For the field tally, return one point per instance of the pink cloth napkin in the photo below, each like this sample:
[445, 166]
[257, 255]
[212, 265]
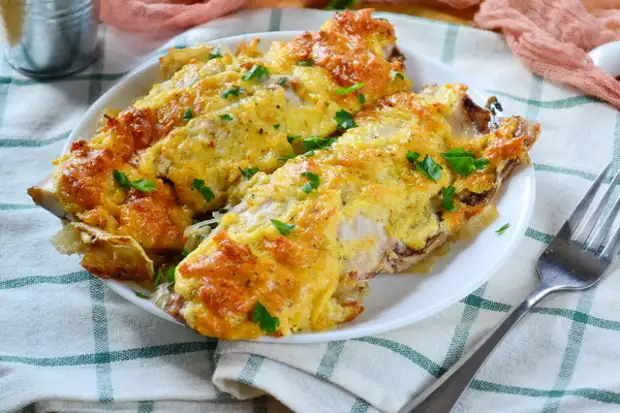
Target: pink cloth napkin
[164, 15]
[551, 36]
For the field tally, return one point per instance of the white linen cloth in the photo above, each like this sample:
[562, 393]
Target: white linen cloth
[68, 344]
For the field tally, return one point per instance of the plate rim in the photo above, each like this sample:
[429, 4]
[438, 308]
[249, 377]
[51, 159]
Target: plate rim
[125, 291]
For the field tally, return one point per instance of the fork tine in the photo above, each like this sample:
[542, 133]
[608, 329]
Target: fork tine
[613, 246]
[605, 228]
[572, 223]
[583, 235]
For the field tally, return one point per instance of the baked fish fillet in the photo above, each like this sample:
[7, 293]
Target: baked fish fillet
[215, 120]
[297, 251]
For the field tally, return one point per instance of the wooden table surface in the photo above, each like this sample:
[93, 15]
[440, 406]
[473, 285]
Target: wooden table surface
[444, 13]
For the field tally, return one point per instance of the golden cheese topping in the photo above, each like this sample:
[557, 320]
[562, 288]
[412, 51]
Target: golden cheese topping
[217, 115]
[303, 241]
[334, 173]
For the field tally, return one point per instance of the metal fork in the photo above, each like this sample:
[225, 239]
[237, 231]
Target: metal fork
[575, 260]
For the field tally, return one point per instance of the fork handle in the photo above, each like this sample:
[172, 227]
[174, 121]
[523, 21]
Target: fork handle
[447, 390]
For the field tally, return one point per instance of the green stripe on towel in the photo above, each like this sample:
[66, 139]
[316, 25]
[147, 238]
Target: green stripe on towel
[330, 359]
[250, 370]
[115, 356]
[71, 278]
[33, 143]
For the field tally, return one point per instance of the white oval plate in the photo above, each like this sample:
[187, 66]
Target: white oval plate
[395, 300]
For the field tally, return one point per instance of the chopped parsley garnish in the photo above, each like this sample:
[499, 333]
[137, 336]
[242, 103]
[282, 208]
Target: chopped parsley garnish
[170, 274]
[282, 81]
[412, 156]
[185, 253]
[428, 167]
[256, 72]
[215, 53]
[268, 323]
[226, 117]
[187, 115]
[345, 120]
[199, 185]
[394, 75]
[286, 157]
[309, 154]
[283, 227]
[276, 126]
[463, 162]
[158, 276]
[121, 179]
[248, 173]
[318, 143]
[340, 4]
[142, 185]
[305, 62]
[361, 98]
[233, 91]
[448, 202]
[290, 139]
[139, 294]
[345, 90]
[503, 229]
[313, 182]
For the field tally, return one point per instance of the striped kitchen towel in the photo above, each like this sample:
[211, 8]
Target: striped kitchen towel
[68, 344]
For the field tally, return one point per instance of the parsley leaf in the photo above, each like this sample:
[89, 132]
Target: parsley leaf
[187, 115]
[226, 117]
[276, 126]
[308, 62]
[286, 157]
[361, 98]
[463, 162]
[248, 173]
[481, 163]
[282, 81]
[283, 227]
[345, 120]
[256, 72]
[158, 276]
[309, 154]
[345, 90]
[170, 274]
[185, 253]
[318, 143]
[394, 75]
[290, 139]
[448, 202]
[142, 185]
[199, 185]
[268, 323]
[215, 53]
[233, 91]
[428, 167]
[121, 179]
[313, 184]
[502, 229]
[412, 156]
[139, 294]
[340, 4]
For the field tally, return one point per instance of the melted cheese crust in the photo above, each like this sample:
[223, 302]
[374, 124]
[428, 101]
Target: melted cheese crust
[153, 139]
[311, 278]
[371, 208]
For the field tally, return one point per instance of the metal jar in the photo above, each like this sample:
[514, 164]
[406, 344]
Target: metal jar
[51, 38]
